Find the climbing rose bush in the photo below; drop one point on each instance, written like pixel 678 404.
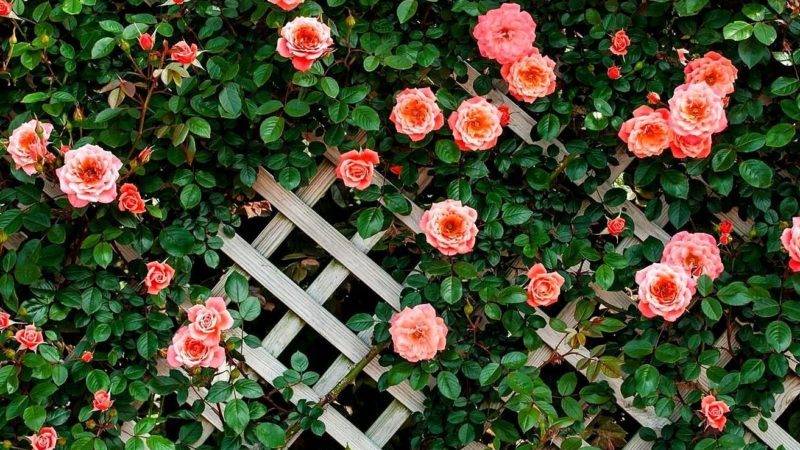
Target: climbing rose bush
pixel 612 179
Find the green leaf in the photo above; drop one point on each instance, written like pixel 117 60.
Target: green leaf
pixel 734 294
pixel 156 442
pixel 190 196
pixel 604 276
pixel 360 322
pixel 448 385
pixel 199 127
pixel 97 380
pixel 780 135
pixel 329 86
pixel 71 7
pixel 756 173
pixel 765 33
pixel 230 99
pixel 737 30
pixel 675 184
pixel 451 290
pixel 237 415
pixel 366 118
pixel 779 336
pixel 34 417
pixel 176 240
pixel 147 344
pixel 406 10
pixel 447 151
pixel 548 127
pixel 711 308
pixel 237 287
pixel 270 435
pixel 248 388
pixel 271 129
pixel 103 254
pixel 103 47
pixel 370 222
pixel 646 378
pixel 784 86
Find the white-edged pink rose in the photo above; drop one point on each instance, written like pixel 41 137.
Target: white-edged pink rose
pixel 476 124
pixel 664 291
pixel 304 40
pixel 416 113
pixel 209 320
pixel 450 227
pixel 697 253
pixel 418 334
pixel 790 238
pixel 531 76
pixel 188 352
pixel 27 145
pixel 696 110
pixel 89 175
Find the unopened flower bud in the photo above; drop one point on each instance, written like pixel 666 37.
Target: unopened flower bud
pixel 22 311
pixel 13 39
pixel 7 444
pixel 468 309
pixel 235 373
pixel 77 115
pixel 91 424
pixel 3 237
pixel 125 46
pixel 10 353
pixel 350 21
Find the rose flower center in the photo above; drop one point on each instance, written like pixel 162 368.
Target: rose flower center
pixel 452 226
pixel 306 37
pixel 665 290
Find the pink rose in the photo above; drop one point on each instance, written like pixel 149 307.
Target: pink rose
pixel 5 320
pixel 690 146
pixel 29 337
pixel 357 168
pixel 544 287
pixel 616 226
pixel 102 401
pixel 664 291
pixel 89 174
pixel 613 73
pixel 476 124
pixel 184 53
pixel 620 43
pixel 530 76
pixel 209 320
pixel 46 439
pixel 5 8
pixel 28 145
pixel 682 52
pixel 417 333
pixel 286 5
pixel 715 70
pixel 697 253
pixel 696 110
pixel 130 199
pixel 189 352
pixel 505 33
pixel 87 357
pixel 304 40
pixel 450 227
pixel 416 113
pixel 791 243
pixel 714 411
pixel 146 41
pixel 648 132
pixel 158 277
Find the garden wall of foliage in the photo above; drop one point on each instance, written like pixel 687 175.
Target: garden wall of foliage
pixel 133 134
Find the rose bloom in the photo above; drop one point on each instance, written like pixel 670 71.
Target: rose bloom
pixel 530 76
pixel 713 69
pixel 620 43
pixel 544 287
pixel 5 8
pixel 5 320
pixel 158 277
pixel 791 243
pixel 396 169
pixel 89 174
pixel 183 53
pixel 505 33
pixel 28 147
pixel 189 352
pixel 130 199
pixel 450 227
pixel 209 320
pixel 286 5
pixel 356 169
pixel 46 439
pixel 697 253
pixel 653 98
pixel 715 411
pixel 696 110
pixel 614 73
pixel 29 338
pixel 648 132
pixel 690 146
pixel 726 226
pixel 476 124
pixel 87 357
pixel 304 40
pixel 146 41
pixel 616 226
pixel 416 113
pixel 724 238
pixel 417 333
pixel 664 291
pixel 102 401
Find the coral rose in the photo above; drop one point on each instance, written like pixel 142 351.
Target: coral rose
pixel 396 169
pixel 653 98
pixel 287 5
pixel 5 320
pixel 690 146
pixel 46 439
pixel 5 8
pixel 417 333
pixel 648 132
pixel 209 320
pixel 620 43
pixel 505 33
pixel 87 357
pixel 664 291
pixel 530 76
pixel 89 174
pixel 696 110
pixel 184 53
pixel 189 352
pixel 505 115
pixel 613 73
pixel 146 41
pixel 615 226
pixel 27 145
pixel 791 243
pixel 158 277
pixel 697 253
pixel 450 227
pixel 102 401
pixel 476 124
pixel 29 337
pixel 304 40
pixel 713 69
pixel 714 411
pixel 356 169
pixel 130 199
pixel 544 287
pixel 416 113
